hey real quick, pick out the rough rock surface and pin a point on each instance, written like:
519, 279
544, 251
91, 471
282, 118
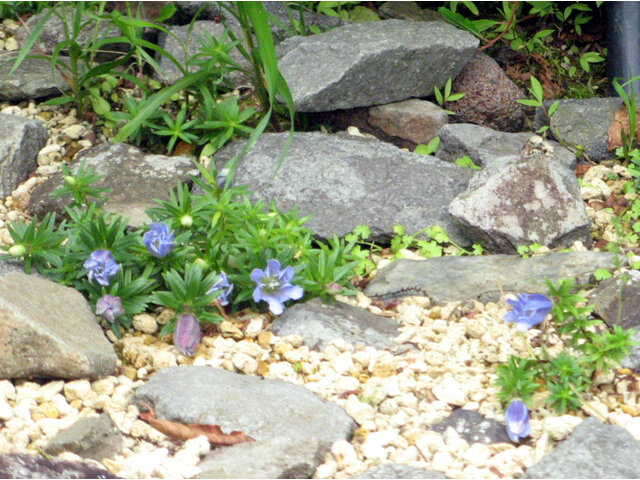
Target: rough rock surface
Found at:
31, 80
569, 123
490, 96
320, 323
372, 63
533, 201
346, 181
407, 11
450, 279
415, 120
593, 450
24, 465
486, 146
396, 470
473, 427
48, 330
20, 141
90, 437
287, 421
136, 179
608, 295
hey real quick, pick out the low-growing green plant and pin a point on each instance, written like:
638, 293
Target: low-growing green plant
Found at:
590, 348
428, 149
438, 241
446, 95
195, 246
467, 162
524, 250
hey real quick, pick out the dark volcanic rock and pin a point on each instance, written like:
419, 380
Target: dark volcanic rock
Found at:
474, 427
23, 465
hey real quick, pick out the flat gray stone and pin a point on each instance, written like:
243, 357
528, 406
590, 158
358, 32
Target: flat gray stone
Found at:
614, 293
136, 179
345, 181
583, 122
533, 201
20, 141
372, 63
32, 79
474, 427
90, 437
632, 361
593, 450
450, 279
24, 465
486, 146
320, 323
293, 428
398, 470
49, 330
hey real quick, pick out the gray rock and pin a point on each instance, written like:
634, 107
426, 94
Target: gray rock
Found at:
372, 63
490, 96
534, 201
90, 437
408, 11
415, 120
397, 470
49, 331
20, 141
450, 279
618, 292
632, 361
474, 427
593, 450
485, 145
292, 427
348, 181
33, 79
568, 123
136, 179
24, 465
320, 323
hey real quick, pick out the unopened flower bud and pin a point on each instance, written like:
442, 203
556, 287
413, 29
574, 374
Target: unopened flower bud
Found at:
70, 180
187, 334
186, 221
202, 263
17, 250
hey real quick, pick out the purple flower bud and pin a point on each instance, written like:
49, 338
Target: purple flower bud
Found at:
517, 421
224, 286
101, 265
529, 310
159, 240
109, 307
274, 286
187, 334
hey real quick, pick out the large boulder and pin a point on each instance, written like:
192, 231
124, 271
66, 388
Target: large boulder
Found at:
25, 465
49, 330
20, 141
291, 426
345, 181
535, 200
372, 63
135, 179
33, 79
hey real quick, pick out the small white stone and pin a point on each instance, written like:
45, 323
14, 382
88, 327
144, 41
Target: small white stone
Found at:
429, 443
374, 445
346, 384
192, 450
245, 363
104, 385
359, 411
442, 461
145, 323
163, 359
23, 408
78, 390
344, 453
74, 131
11, 44
49, 390
449, 390
388, 407
284, 371
560, 427
477, 455
6, 411
326, 470
295, 340
254, 327
342, 363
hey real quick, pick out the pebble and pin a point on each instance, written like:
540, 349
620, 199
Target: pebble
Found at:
145, 323
11, 44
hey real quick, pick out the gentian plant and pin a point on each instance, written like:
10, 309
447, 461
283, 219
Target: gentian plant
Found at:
590, 347
196, 252
517, 421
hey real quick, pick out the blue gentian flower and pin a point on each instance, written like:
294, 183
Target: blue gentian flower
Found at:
274, 286
159, 240
529, 310
187, 334
101, 265
222, 284
109, 307
517, 421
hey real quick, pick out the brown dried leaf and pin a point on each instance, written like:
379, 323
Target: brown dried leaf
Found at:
183, 431
620, 122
